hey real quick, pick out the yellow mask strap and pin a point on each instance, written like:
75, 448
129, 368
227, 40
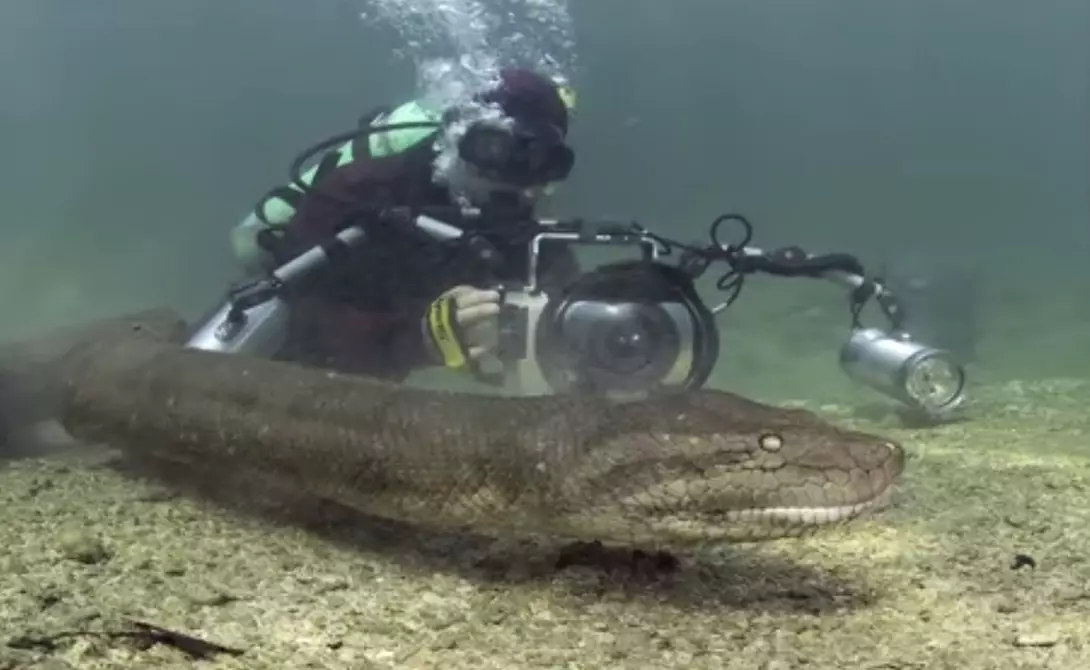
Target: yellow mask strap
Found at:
568, 95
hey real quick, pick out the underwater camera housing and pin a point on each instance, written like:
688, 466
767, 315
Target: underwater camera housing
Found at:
629, 327
624, 329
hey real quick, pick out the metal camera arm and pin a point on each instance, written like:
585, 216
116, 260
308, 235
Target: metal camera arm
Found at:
928, 381
842, 269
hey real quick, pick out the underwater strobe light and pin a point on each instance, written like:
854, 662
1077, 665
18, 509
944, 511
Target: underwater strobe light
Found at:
925, 379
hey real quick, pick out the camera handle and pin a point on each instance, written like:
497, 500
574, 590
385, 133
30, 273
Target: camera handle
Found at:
583, 233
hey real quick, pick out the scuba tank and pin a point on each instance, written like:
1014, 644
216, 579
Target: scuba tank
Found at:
387, 132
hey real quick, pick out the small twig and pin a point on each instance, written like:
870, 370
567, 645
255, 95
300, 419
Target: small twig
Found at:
142, 632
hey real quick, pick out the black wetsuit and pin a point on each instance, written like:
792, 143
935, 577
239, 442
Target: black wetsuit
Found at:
364, 314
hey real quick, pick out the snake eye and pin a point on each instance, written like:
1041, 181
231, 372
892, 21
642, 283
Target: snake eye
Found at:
770, 442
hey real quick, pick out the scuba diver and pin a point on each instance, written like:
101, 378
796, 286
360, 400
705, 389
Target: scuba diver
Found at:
400, 301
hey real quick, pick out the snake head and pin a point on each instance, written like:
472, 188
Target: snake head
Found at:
720, 468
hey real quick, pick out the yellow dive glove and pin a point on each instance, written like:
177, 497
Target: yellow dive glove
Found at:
461, 325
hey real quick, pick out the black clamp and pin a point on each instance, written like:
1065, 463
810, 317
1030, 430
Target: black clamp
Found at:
891, 307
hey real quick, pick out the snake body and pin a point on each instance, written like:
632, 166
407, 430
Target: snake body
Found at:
699, 467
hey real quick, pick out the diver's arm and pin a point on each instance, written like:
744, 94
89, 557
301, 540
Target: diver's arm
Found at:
334, 201
385, 344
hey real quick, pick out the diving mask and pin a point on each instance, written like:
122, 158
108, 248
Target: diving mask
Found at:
520, 154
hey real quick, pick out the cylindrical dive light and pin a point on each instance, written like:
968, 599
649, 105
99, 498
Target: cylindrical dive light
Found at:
927, 380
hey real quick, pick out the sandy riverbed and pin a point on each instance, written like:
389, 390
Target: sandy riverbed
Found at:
928, 584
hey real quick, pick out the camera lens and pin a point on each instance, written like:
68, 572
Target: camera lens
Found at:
624, 348
612, 344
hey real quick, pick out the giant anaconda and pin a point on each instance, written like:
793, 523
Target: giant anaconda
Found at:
701, 467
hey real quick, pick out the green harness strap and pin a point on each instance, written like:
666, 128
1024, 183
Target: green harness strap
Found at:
250, 239
279, 205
